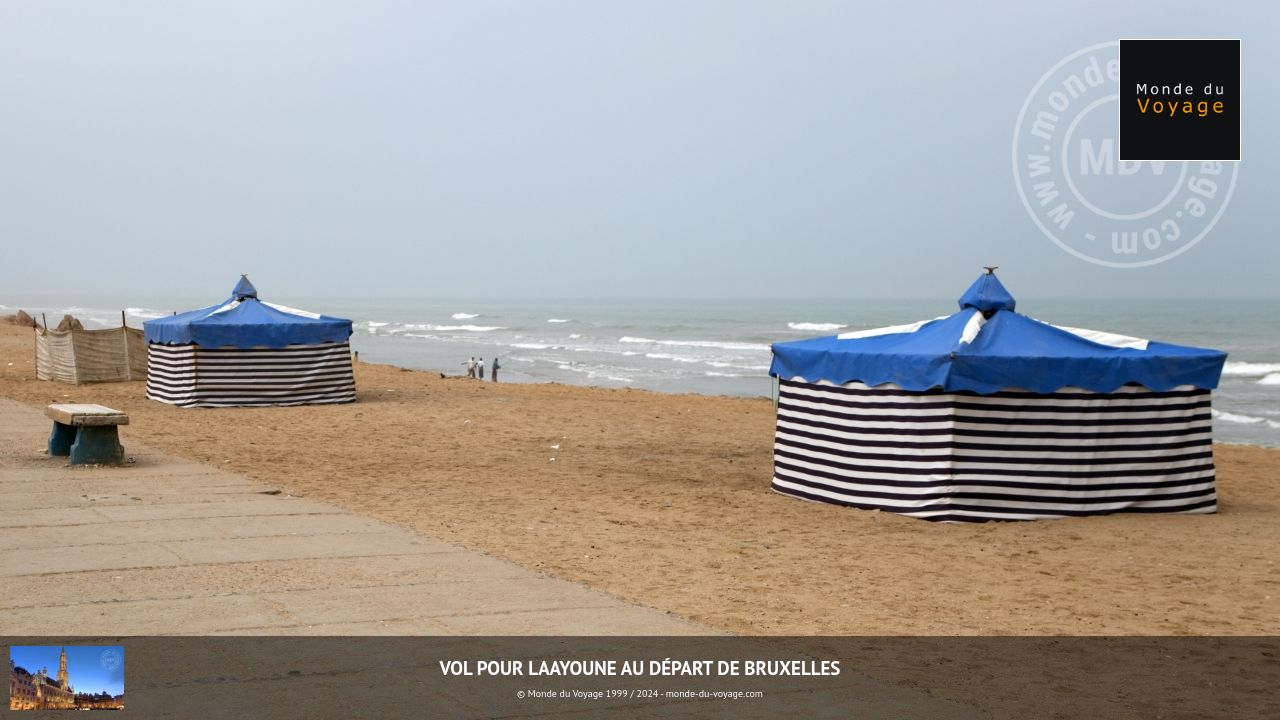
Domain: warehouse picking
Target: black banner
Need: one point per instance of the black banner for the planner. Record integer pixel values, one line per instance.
(700, 677)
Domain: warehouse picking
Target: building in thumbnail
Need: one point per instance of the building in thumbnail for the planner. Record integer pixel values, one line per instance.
(99, 701)
(39, 691)
(22, 688)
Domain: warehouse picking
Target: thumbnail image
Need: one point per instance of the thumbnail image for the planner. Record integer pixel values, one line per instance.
(88, 677)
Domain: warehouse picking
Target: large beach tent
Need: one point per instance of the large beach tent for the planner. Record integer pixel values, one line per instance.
(988, 414)
(76, 355)
(248, 352)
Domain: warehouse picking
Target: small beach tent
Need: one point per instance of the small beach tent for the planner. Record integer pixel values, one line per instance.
(90, 356)
(991, 415)
(247, 352)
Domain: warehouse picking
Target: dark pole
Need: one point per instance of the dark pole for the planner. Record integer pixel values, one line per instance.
(124, 339)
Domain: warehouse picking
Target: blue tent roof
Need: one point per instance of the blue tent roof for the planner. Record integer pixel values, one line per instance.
(987, 347)
(245, 321)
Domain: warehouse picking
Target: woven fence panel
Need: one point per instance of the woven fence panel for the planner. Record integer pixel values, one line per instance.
(89, 356)
(55, 356)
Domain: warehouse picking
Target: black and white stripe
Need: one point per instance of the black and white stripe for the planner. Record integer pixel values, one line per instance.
(194, 376)
(1007, 456)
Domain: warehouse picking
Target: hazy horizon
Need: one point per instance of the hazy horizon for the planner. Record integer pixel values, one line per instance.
(311, 299)
(547, 150)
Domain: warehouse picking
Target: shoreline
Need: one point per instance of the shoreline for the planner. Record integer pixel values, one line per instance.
(531, 380)
(1244, 408)
(664, 500)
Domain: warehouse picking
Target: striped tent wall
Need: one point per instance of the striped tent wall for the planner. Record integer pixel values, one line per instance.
(194, 376)
(1007, 456)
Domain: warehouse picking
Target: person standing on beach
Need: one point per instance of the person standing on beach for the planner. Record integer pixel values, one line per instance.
(471, 366)
(495, 369)
(480, 368)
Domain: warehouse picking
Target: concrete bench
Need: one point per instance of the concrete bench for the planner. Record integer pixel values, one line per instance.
(87, 433)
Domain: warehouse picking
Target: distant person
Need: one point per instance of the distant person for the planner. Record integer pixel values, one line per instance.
(480, 368)
(471, 366)
(496, 366)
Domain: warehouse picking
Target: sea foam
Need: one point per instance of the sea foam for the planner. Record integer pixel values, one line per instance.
(464, 328)
(1244, 419)
(597, 372)
(816, 327)
(464, 316)
(695, 343)
(1249, 369)
(147, 313)
(674, 358)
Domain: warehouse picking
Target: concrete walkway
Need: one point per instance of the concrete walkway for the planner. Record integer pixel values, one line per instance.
(163, 546)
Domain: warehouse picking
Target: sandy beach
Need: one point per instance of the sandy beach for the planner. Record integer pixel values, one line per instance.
(664, 500)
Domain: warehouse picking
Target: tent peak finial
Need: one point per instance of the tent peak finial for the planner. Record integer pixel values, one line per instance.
(244, 289)
(991, 269)
(987, 294)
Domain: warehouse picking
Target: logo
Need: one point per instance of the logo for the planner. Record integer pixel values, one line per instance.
(111, 659)
(1180, 99)
(1097, 207)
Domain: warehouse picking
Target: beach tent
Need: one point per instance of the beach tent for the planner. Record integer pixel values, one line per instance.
(247, 352)
(87, 356)
(988, 414)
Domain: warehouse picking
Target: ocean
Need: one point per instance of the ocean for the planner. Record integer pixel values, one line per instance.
(721, 347)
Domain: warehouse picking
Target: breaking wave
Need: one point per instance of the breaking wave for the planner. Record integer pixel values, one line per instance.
(816, 327)
(464, 328)
(674, 358)
(696, 343)
(1244, 419)
(145, 313)
(1248, 369)
(597, 372)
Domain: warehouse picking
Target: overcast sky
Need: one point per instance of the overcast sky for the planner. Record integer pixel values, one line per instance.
(560, 149)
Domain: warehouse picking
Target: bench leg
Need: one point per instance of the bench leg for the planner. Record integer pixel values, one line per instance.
(61, 438)
(97, 444)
